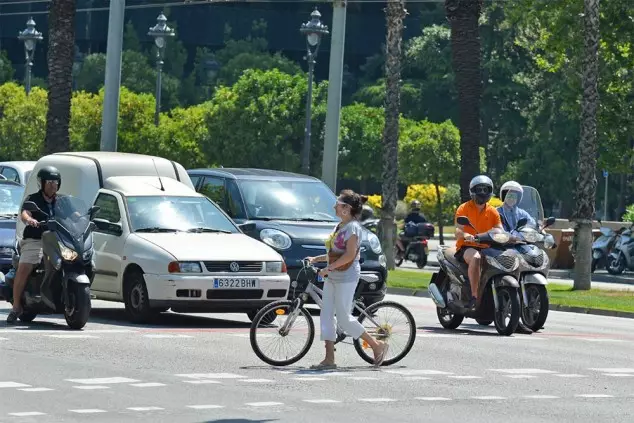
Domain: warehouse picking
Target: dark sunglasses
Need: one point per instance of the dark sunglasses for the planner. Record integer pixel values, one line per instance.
(481, 190)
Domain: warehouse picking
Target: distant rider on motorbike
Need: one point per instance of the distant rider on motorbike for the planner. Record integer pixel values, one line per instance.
(414, 216)
(511, 194)
(484, 218)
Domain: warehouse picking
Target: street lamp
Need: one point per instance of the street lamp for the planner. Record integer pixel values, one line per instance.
(313, 30)
(160, 32)
(77, 64)
(30, 36)
(211, 68)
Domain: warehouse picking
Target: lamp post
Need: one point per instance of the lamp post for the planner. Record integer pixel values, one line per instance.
(77, 64)
(211, 67)
(30, 36)
(160, 32)
(313, 30)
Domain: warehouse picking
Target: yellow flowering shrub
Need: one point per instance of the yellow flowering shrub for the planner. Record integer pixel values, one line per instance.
(374, 201)
(495, 202)
(426, 194)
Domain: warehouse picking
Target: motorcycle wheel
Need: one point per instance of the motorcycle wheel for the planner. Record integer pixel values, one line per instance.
(616, 266)
(422, 261)
(509, 301)
(447, 319)
(398, 258)
(534, 319)
(80, 306)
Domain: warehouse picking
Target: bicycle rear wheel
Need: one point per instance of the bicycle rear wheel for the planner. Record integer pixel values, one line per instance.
(387, 314)
(264, 335)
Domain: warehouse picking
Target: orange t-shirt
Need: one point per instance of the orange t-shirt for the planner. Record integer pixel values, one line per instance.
(483, 221)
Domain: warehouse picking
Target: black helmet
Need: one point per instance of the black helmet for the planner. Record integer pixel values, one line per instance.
(367, 212)
(415, 205)
(49, 173)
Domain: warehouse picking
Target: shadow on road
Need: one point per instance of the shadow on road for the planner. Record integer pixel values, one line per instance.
(462, 331)
(305, 371)
(239, 421)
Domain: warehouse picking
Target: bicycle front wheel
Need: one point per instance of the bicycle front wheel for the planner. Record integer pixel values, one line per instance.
(394, 325)
(276, 344)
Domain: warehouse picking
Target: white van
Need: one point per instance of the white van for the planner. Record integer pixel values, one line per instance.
(159, 244)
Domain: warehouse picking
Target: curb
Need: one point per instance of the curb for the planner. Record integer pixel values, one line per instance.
(554, 307)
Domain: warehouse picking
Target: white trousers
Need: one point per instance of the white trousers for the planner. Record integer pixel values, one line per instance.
(337, 301)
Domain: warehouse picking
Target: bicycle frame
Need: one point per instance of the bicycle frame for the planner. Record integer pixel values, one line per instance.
(315, 293)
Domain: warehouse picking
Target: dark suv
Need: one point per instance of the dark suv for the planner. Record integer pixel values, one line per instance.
(292, 213)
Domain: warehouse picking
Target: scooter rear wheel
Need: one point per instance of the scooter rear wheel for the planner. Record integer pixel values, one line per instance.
(448, 320)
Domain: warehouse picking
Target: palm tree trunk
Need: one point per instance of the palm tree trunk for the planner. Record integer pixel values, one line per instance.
(61, 48)
(463, 16)
(395, 13)
(441, 236)
(586, 176)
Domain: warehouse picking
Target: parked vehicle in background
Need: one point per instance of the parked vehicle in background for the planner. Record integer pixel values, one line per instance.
(11, 194)
(292, 213)
(18, 171)
(602, 246)
(621, 256)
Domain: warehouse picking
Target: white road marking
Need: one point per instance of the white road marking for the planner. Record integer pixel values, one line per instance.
(362, 378)
(257, 380)
(264, 404)
(35, 389)
(465, 377)
(617, 370)
(601, 340)
(619, 374)
(88, 411)
(27, 414)
(103, 380)
(309, 378)
(145, 408)
(417, 378)
(490, 397)
(541, 396)
(322, 401)
(594, 396)
(91, 387)
(523, 371)
(571, 375)
(166, 336)
(4, 339)
(202, 382)
(211, 376)
(147, 385)
(13, 385)
(409, 372)
(205, 407)
(72, 336)
(433, 398)
(520, 376)
(376, 399)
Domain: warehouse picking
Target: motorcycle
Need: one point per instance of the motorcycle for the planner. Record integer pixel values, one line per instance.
(60, 284)
(498, 290)
(415, 244)
(621, 257)
(602, 246)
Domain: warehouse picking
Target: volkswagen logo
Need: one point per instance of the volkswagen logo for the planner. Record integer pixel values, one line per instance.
(234, 267)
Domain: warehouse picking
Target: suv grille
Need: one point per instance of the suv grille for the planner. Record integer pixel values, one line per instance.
(225, 266)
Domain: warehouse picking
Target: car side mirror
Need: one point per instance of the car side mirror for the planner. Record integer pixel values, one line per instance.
(93, 211)
(108, 227)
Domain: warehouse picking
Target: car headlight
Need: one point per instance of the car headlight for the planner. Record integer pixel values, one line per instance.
(530, 235)
(501, 237)
(68, 254)
(276, 239)
(549, 241)
(375, 244)
(274, 267)
(382, 260)
(184, 267)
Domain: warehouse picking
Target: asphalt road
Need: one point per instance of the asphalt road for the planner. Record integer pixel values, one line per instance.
(200, 368)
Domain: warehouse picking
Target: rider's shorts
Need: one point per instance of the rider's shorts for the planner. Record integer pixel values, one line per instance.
(31, 251)
(460, 253)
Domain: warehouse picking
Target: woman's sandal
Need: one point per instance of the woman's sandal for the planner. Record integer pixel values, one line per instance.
(322, 366)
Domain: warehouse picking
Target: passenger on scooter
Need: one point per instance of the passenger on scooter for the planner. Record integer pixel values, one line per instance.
(484, 218)
(511, 194)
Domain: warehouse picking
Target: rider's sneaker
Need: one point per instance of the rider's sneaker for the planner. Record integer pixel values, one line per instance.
(471, 305)
(12, 317)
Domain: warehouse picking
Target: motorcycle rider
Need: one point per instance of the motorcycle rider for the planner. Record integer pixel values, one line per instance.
(49, 181)
(511, 194)
(484, 218)
(414, 216)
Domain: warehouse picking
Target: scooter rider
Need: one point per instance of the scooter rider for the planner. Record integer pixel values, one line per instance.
(511, 194)
(49, 181)
(484, 218)
(414, 216)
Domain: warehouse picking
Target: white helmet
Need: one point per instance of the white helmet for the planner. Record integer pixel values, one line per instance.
(478, 194)
(511, 186)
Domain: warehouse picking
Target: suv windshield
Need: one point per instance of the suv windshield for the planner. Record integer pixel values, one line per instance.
(10, 199)
(288, 200)
(171, 214)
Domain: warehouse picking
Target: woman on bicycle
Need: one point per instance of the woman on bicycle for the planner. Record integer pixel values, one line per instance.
(341, 279)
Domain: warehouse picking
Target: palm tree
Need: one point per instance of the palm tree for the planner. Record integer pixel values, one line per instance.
(61, 48)
(586, 176)
(463, 17)
(395, 13)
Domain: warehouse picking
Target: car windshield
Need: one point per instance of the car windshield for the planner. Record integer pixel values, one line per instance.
(10, 199)
(288, 200)
(73, 214)
(532, 203)
(172, 214)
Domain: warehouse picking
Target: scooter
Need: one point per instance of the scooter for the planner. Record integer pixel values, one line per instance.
(621, 257)
(498, 290)
(602, 246)
(415, 244)
(60, 284)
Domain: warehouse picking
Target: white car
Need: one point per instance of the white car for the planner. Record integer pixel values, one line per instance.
(18, 171)
(159, 244)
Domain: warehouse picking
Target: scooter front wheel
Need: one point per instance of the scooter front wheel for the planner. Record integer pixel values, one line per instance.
(507, 316)
(78, 309)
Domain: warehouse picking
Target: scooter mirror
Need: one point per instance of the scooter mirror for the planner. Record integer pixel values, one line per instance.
(463, 220)
(522, 222)
(30, 206)
(550, 221)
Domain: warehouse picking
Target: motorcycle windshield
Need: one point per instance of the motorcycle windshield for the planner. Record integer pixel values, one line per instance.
(532, 203)
(72, 214)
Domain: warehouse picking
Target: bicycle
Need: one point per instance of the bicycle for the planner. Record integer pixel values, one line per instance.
(294, 309)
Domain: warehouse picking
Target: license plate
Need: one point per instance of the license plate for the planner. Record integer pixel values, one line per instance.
(236, 283)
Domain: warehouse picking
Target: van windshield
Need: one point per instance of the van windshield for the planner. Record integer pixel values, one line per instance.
(175, 214)
(288, 200)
